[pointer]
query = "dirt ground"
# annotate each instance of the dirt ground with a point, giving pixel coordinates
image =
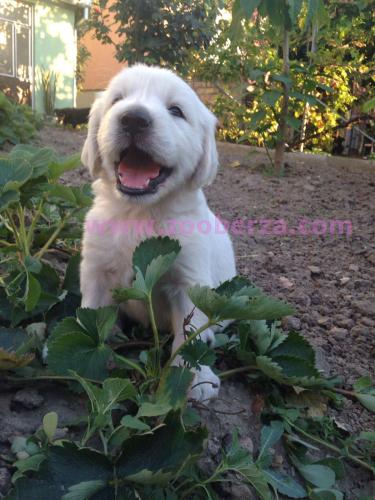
(328, 278)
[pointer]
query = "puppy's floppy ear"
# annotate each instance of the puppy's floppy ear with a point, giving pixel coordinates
(206, 169)
(90, 154)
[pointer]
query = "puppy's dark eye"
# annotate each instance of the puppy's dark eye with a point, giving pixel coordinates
(176, 111)
(117, 99)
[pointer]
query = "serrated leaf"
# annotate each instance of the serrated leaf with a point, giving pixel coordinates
(270, 435)
(295, 345)
(8, 198)
(84, 490)
(284, 484)
(153, 248)
(13, 174)
(115, 390)
(134, 423)
(197, 353)
(64, 466)
(258, 481)
(98, 323)
(153, 409)
(72, 348)
(220, 307)
(57, 168)
(174, 386)
(124, 294)
(155, 458)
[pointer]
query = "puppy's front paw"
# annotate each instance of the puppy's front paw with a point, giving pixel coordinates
(208, 336)
(205, 384)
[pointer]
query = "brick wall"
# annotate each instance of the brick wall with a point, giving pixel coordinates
(206, 91)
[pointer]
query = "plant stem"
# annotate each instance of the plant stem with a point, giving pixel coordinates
(104, 442)
(344, 392)
(234, 371)
(14, 228)
(30, 234)
(332, 447)
(132, 364)
(155, 332)
(48, 377)
(52, 238)
(22, 230)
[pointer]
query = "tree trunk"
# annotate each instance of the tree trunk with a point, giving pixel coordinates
(306, 111)
(283, 126)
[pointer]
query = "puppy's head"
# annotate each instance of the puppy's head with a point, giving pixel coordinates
(149, 135)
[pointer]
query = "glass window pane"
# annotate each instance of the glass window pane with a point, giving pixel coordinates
(15, 11)
(6, 48)
(23, 52)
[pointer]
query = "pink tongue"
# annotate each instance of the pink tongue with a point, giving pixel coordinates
(136, 177)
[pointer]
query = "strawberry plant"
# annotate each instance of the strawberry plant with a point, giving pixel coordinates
(36, 214)
(143, 435)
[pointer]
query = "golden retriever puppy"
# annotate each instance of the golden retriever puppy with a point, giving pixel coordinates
(151, 148)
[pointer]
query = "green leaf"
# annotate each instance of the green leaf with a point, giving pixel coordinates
(72, 347)
(8, 198)
(174, 386)
(367, 400)
(244, 304)
(31, 463)
(153, 248)
(363, 383)
(270, 435)
(284, 484)
(335, 464)
(369, 105)
(50, 424)
(124, 294)
(248, 6)
(13, 174)
(293, 122)
(98, 322)
(270, 97)
(156, 458)
(64, 466)
(258, 480)
(295, 345)
(57, 168)
(318, 475)
(324, 494)
(197, 353)
(33, 292)
(116, 390)
(84, 490)
(153, 409)
(153, 258)
(134, 423)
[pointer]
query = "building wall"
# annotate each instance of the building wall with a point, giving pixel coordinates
(55, 48)
(99, 68)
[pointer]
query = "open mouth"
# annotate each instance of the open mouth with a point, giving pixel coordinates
(138, 173)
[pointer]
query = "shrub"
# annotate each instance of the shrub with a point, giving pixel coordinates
(18, 122)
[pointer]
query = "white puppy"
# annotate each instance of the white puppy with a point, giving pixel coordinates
(151, 147)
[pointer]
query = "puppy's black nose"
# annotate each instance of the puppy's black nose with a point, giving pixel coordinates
(136, 120)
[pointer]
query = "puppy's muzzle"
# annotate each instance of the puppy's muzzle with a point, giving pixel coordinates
(136, 121)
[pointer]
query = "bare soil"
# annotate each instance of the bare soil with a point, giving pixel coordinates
(329, 278)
